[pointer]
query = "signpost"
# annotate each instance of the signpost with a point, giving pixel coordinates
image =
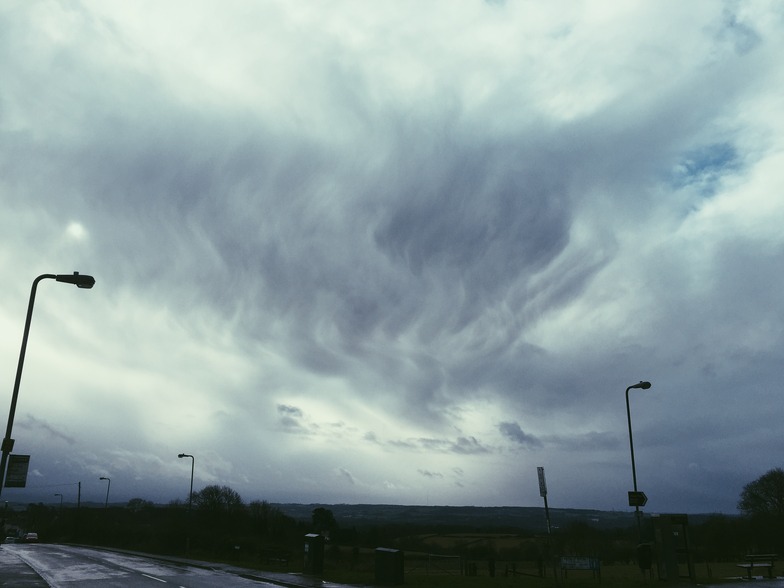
(637, 499)
(543, 494)
(16, 474)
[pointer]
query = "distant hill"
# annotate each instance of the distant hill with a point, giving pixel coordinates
(517, 518)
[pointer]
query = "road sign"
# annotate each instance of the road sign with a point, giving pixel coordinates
(542, 482)
(637, 499)
(16, 475)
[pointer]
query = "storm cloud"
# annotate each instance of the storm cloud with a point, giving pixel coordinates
(383, 252)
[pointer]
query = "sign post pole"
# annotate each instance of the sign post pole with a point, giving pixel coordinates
(543, 494)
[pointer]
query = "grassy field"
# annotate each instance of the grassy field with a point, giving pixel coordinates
(423, 571)
(615, 576)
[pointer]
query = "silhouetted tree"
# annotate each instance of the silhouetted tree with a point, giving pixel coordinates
(218, 499)
(765, 495)
(323, 520)
(137, 504)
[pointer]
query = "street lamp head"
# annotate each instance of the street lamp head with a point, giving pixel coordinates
(181, 455)
(79, 280)
(103, 478)
(642, 385)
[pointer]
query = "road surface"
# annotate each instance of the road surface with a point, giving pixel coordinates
(65, 566)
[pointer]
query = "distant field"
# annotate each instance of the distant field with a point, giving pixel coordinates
(616, 576)
(426, 570)
(485, 517)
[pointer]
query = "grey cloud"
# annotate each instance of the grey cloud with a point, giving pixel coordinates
(741, 35)
(404, 444)
(593, 441)
(345, 474)
(43, 428)
(468, 446)
(291, 420)
(483, 211)
(461, 445)
(290, 411)
(291, 425)
(516, 434)
(429, 474)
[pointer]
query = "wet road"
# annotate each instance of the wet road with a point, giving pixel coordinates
(64, 566)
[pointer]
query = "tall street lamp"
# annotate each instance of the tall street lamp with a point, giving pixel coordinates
(190, 496)
(80, 281)
(638, 499)
(109, 485)
(61, 501)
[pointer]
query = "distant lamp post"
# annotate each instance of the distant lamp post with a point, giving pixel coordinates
(61, 501)
(109, 485)
(637, 498)
(80, 281)
(190, 495)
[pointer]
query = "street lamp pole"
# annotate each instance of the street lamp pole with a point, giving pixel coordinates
(109, 485)
(642, 386)
(190, 503)
(190, 495)
(61, 501)
(80, 281)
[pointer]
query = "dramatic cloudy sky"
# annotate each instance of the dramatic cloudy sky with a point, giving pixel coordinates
(395, 251)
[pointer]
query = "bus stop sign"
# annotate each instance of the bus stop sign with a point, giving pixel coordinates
(16, 475)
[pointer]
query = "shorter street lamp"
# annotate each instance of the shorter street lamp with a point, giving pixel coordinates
(190, 495)
(109, 485)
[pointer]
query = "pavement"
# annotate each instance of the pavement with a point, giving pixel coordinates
(15, 572)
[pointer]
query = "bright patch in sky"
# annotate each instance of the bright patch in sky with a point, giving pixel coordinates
(76, 231)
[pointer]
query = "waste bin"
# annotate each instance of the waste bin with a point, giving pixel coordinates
(314, 553)
(389, 566)
(645, 556)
